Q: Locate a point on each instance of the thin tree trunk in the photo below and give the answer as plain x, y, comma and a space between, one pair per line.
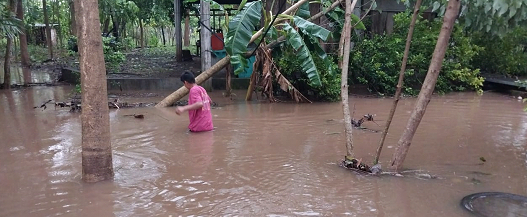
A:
186, 35
228, 88
106, 26
163, 35
123, 29
341, 42
146, 33
346, 39
428, 85
59, 29
250, 90
141, 33
96, 145
7, 57
401, 80
48, 29
24, 54
177, 21
7, 64
115, 25
73, 24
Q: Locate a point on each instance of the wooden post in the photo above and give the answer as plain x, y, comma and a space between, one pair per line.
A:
177, 20
206, 59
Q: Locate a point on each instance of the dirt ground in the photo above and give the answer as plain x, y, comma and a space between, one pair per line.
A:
148, 62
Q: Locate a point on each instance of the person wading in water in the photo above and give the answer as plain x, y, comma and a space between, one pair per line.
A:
198, 106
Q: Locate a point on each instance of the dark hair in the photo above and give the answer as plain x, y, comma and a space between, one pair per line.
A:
188, 77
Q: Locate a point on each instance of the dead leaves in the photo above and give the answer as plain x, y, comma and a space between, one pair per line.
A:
264, 60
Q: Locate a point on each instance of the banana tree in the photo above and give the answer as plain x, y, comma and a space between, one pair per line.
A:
301, 34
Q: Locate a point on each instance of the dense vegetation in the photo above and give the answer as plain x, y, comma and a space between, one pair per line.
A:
376, 60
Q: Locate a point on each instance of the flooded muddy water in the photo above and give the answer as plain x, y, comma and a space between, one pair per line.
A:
262, 159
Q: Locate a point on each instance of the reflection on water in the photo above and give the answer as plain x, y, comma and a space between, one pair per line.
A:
17, 77
262, 160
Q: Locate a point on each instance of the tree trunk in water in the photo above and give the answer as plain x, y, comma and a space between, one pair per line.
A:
24, 54
48, 30
206, 59
428, 85
96, 145
250, 89
182, 91
401, 80
186, 35
163, 35
142, 34
7, 57
73, 24
177, 21
228, 88
345, 38
7, 64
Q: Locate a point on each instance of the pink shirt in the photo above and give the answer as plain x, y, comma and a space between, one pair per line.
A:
200, 119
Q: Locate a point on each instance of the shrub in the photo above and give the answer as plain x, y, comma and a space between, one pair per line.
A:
376, 61
111, 48
507, 55
290, 67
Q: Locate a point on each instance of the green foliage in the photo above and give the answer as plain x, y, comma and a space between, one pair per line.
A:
111, 48
303, 54
241, 29
112, 56
496, 17
291, 67
377, 61
10, 26
303, 11
506, 55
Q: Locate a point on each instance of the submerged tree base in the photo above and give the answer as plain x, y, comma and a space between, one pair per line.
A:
358, 165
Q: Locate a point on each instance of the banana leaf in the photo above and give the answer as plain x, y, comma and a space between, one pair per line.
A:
313, 44
10, 26
311, 29
297, 42
240, 32
303, 11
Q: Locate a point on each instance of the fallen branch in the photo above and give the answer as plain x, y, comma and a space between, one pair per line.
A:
139, 116
43, 105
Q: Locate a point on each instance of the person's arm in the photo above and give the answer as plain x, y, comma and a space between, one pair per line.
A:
194, 106
197, 105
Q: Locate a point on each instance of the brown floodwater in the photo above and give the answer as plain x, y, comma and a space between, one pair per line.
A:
262, 159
